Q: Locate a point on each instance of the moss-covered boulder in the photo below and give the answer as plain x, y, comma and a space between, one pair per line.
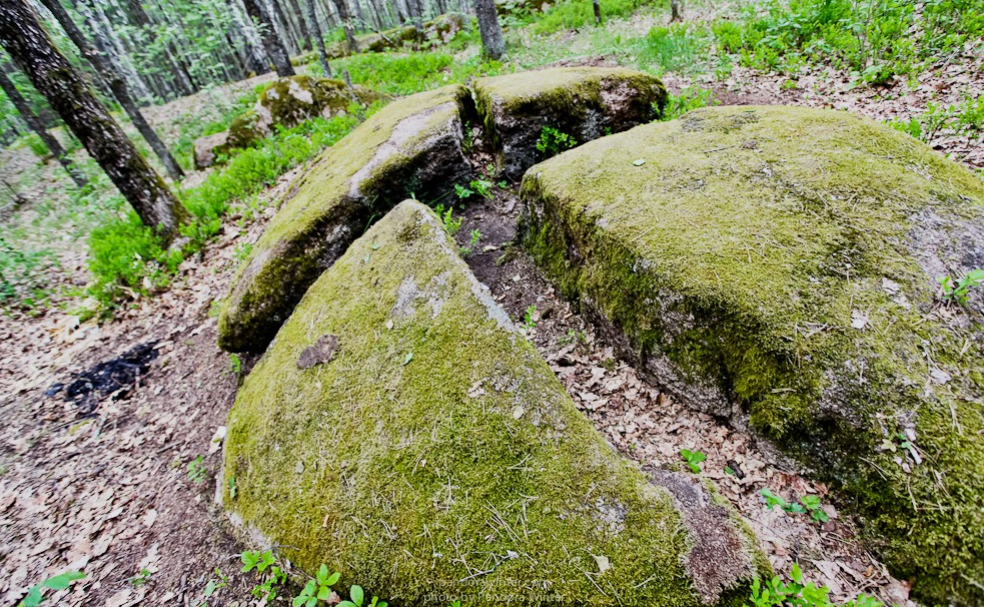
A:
581, 102
410, 147
287, 102
401, 430
785, 261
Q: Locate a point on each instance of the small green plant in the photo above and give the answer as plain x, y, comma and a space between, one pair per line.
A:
141, 578
465, 251
484, 188
553, 142
462, 192
451, 225
232, 487
197, 470
59, 582
777, 593
214, 586
356, 596
273, 579
808, 503
573, 337
955, 291
318, 589
693, 458
529, 319
235, 363
242, 252
256, 560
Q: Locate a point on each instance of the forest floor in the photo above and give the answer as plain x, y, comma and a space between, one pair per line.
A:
119, 481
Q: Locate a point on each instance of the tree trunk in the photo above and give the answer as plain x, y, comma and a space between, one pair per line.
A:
286, 32
303, 25
318, 39
256, 57
54, 77
35, 124
274, 46
676, 10
488, 26
116, 83
597, 12
343, 12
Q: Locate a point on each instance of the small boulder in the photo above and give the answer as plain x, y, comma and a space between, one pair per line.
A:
287, 102
205, 149
782, 263
581, 102
433, 456
412, 146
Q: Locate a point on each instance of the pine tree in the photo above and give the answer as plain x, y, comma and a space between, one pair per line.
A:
488, 26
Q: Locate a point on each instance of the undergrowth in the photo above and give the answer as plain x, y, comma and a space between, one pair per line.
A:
126, 258
875, 40
405, 74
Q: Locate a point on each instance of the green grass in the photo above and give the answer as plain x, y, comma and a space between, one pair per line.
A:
874, 39
192, 126
576, 14
408, 73
673, 48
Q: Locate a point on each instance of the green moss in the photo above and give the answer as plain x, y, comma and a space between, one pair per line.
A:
740, 252
461, 468
586, 103
411, 146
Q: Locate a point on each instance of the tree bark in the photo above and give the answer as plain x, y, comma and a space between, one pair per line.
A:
286, 31
256, 56
274, 46
304, 26
54, 77
676, 10
318, 39
597, 12
116, 83
35, 124
488, 26
343, 12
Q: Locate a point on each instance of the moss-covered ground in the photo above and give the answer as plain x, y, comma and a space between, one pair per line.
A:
461, 468
787, 257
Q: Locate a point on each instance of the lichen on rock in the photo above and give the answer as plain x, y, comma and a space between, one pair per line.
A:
783, 262
583, 102
433, 456
410, 147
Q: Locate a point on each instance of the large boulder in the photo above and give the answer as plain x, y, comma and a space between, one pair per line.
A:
783, 262
410, 147
583, 102
287, 102
401, 430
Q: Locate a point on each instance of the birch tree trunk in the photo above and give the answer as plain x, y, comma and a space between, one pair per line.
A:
54, 77
35, 124
274, 46
111, 75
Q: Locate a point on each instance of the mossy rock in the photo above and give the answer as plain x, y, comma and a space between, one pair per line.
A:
402, 431
410, 147
583, 102
784, 261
